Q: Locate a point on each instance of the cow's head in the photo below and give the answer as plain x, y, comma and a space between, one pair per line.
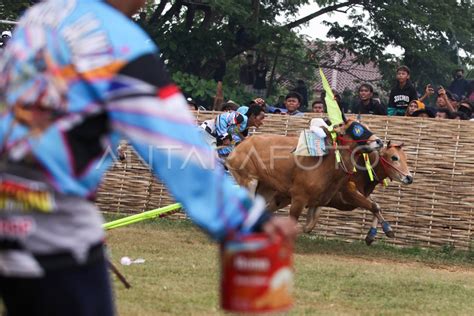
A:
394, 162
354, 134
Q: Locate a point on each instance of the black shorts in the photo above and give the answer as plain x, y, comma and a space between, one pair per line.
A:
78, 290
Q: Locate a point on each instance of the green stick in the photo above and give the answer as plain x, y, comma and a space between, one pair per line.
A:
140, 217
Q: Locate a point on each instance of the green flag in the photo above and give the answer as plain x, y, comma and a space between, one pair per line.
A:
334, 112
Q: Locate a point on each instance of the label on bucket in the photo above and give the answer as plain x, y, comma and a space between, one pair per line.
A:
257, 275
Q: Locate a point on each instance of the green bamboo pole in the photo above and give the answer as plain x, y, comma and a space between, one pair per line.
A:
140, 217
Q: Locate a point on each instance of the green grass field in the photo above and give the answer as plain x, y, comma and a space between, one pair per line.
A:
181, 275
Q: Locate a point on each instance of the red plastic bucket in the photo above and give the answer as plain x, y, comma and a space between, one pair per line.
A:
257, 275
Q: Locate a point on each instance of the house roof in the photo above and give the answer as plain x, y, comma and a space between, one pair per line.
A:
343, 72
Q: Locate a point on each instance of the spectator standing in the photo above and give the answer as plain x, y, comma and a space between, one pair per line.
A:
402, 93
367, 104
459, 86
292, 104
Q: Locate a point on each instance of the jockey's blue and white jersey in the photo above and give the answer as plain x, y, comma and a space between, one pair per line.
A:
231, 123
77, 77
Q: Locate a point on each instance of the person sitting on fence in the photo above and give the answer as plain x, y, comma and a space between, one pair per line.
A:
54, 151
459, 85
402, 94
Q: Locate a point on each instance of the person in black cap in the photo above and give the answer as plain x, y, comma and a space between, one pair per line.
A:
466, 107
459, 85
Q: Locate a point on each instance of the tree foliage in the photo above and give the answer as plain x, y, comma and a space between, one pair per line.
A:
196, 37
11, 9
431, 34
202, 37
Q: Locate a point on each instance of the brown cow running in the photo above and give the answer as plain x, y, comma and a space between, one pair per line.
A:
265, 163
356, 190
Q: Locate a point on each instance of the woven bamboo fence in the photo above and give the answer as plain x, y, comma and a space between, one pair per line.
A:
436, 210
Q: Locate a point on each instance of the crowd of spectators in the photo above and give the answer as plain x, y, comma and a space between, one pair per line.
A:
454, 102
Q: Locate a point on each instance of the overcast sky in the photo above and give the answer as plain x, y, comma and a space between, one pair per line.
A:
317, 30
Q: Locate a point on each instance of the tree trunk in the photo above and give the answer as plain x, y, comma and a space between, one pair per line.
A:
272, 75
158, 11
190, 16
175, 8
321, 12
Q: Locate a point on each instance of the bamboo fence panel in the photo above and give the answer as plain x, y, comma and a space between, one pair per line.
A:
436, 210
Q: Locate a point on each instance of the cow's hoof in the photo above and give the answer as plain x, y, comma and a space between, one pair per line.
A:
369, 240
387, 229
307, 229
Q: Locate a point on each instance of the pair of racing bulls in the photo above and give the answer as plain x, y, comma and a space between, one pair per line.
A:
266, 165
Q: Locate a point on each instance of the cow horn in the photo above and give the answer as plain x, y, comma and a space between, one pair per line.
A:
389, 143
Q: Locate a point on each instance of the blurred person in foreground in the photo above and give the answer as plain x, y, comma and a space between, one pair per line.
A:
88, 78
